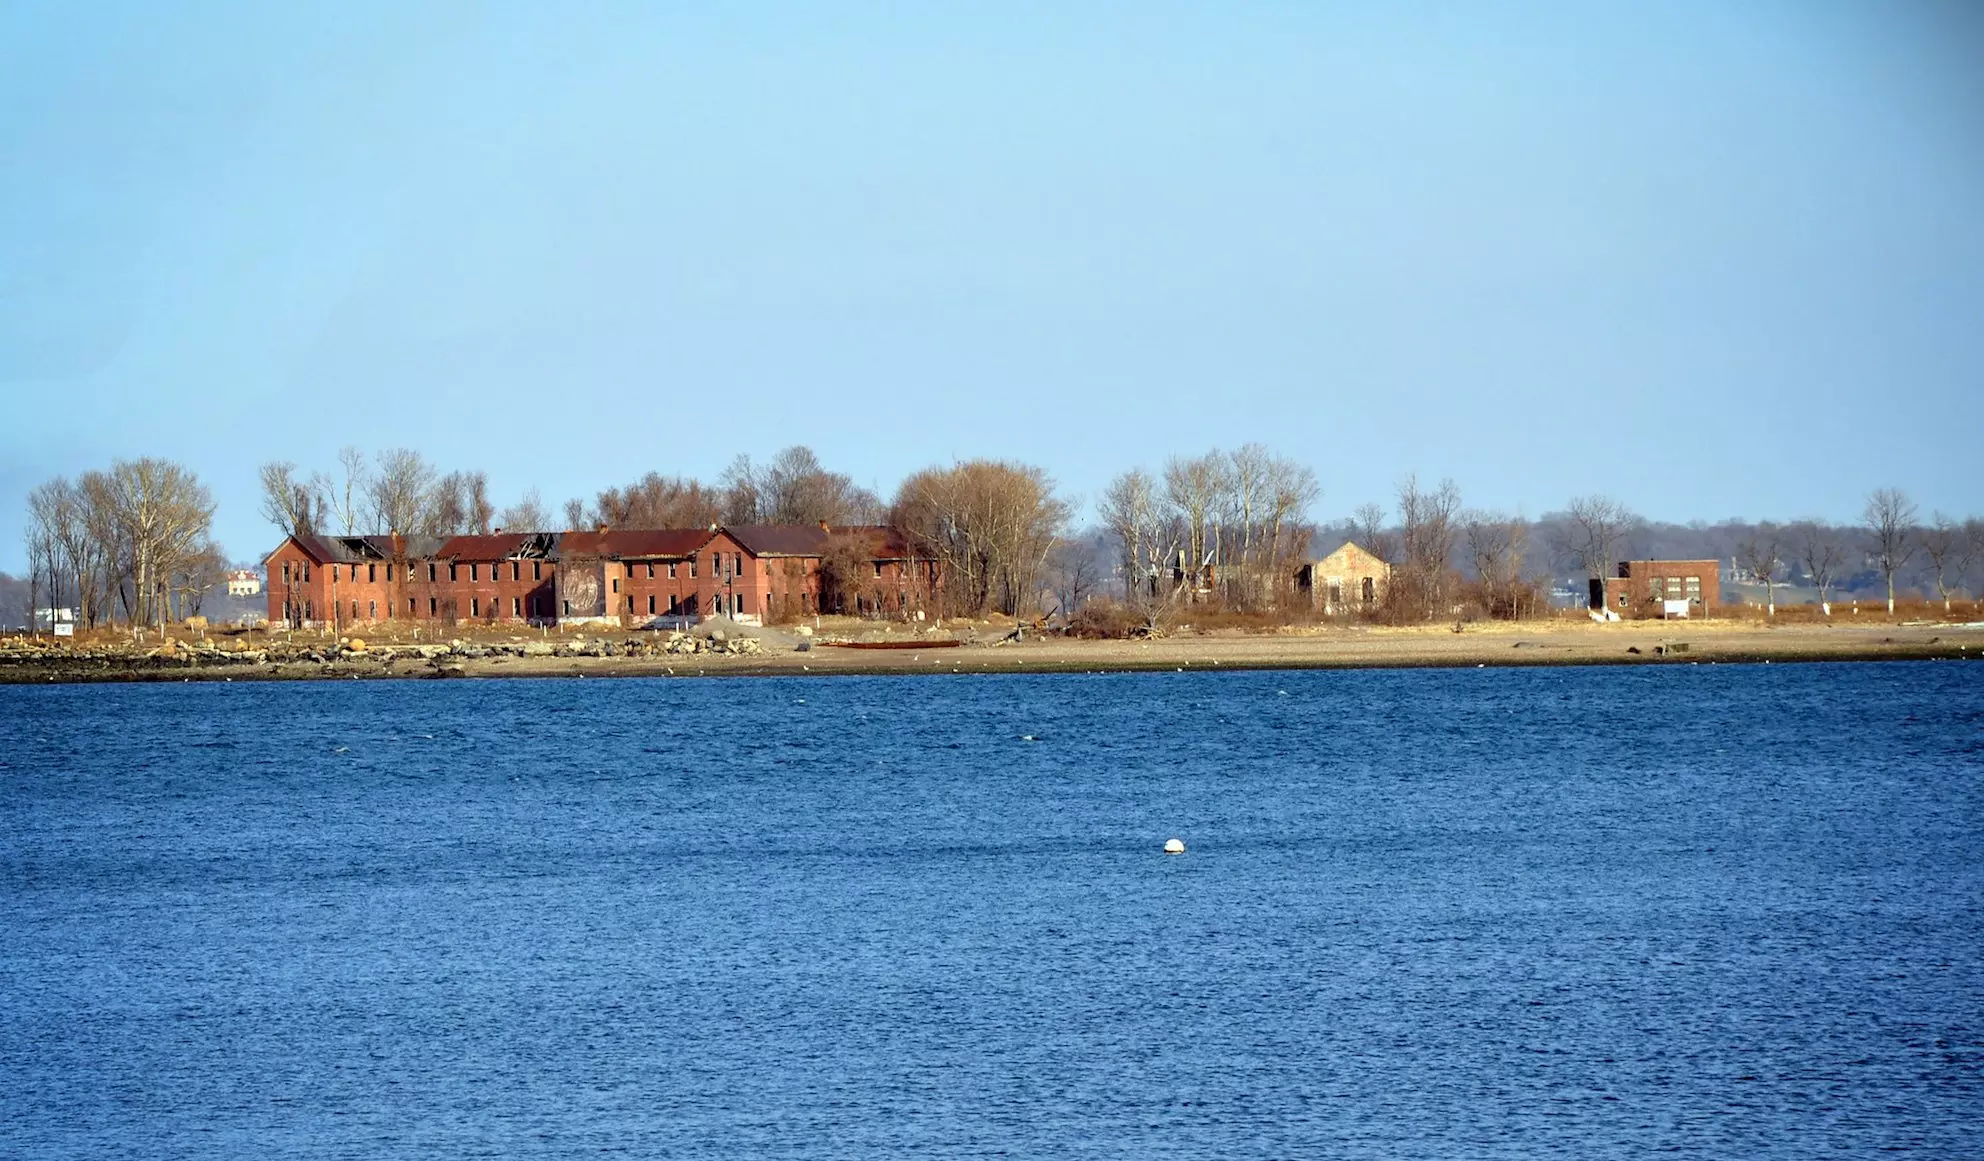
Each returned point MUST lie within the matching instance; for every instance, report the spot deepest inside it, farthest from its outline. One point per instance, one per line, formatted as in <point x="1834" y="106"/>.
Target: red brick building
<point x="766" y="572"/>
<point x="1643" y="588"/>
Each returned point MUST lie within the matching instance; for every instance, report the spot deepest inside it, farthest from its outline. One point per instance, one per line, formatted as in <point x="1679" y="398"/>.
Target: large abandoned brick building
<point x="751" y="574"/>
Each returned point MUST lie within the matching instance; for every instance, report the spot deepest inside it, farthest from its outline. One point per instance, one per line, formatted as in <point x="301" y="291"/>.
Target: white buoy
<point x="1174" y="846"/>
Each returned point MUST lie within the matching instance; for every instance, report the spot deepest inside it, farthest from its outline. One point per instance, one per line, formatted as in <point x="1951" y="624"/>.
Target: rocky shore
<point x="711" y="651"/>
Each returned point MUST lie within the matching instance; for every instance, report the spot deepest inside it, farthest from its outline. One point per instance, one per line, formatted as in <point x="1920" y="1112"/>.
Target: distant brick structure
<point x="1350" y="579"/>
<point x="1643" y="587"/>
<point x="631" y="576"/>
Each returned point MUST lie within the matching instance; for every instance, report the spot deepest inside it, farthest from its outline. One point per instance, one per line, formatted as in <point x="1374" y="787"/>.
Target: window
<point x="516" y="570"/>
<point x="475" y="606"/>
<point x="516" y="606"/>
<point x="878" y="569"/>
<point x="537" y="570"/>
<point x="430" y="571"/>
<point x="372" y="610"/>
<point x="411" y="608"/>
<point x="674" y="603"/>
<point x="334" y="574"/>
<point x="630" y="602"/>
<point x="616" y="584"/>
<point x="285" y="572"/>
<point x="371" y="573"/>
<point x="650" y="601"/>
<point x="568" y="608"/>
<point x="389" y="574"/>
<point x="354" y="610"/>
<point x="768" y="568"/>
<point x="433" y="607"/>
<point x="306" y="572"/>
<point x="671" y="570"/>
<point x="452" y="575"/>
<point x="630" y="569"/>
<point x="650" y="570"/>
<point x="475" y="572"/>
<point x="692" y="569"/>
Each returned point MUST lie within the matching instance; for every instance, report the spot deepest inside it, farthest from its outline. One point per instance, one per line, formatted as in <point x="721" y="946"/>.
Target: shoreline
<point x="1541" y="645"/>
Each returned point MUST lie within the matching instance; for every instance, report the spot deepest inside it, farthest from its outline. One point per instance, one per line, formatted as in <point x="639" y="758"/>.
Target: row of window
<point x="730" y="564"/>
<point x="301" y="571"/>
<point x="722" y="564"/>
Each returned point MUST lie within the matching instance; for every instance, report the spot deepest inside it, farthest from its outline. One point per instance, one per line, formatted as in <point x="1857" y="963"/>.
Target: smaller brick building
<point x="1643" y="588"/>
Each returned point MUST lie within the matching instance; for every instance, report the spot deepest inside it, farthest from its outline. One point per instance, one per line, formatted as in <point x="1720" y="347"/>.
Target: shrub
<point x="1105" y="620"/>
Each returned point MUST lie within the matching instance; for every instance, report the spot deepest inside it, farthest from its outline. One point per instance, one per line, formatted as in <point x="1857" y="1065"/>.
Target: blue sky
<point x="1711" y="259"/>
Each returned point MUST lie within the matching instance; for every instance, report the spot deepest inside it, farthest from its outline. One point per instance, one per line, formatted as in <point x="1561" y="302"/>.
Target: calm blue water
<point x="1716" y="911"/>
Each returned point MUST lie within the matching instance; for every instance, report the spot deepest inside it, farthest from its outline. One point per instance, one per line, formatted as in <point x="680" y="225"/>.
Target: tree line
<point x="1230" y="529"/>
<point x="130" y="543"/>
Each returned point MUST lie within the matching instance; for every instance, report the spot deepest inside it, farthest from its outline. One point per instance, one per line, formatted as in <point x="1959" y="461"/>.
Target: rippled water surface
<point x="1719" y="911"/>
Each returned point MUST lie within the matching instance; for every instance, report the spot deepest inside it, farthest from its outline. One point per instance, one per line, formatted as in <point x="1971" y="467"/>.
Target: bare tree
<point x="1131" y="511"/>
<point x="1946" y="546"/>
<point x="795" y="489"/>
<point x="1889" y="519"/>
<point x="1594" y="529"/>
<point x="1368" y="522"/>
<point x="1427" y="529"/>
<point x="1496" y="545"/>
<point x="1758" y="553"/>
<point x="164" y="513"/>
<point x="1147" y="534"/>
<point x="1194" y="486"/>
<point x="526" y="515"/>
<point x="989" y="525"/>
<point x="576" y="515"/>
<point x="1073" y="572"/>
<point x="480" y="509"/>
<point x="194" y="575"/>
<point x="742" y="501"/>
<point x="1823" y="555"/>
<point x="35" y="542"/>
<point x="100" y="573"/>
<point x="657" y="501"/>
<point x="846" y="566"/>
<point x="458" y="505"/>
<point x="1973" y="549"/>
<point x="343" y="495"/>
<point x="399" y="491"/>
<point x="288" y="501"/>
<point x="1268" y="527"/>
